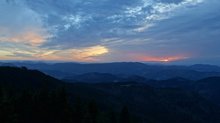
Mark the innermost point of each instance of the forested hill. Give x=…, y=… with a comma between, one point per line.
x=24, y=78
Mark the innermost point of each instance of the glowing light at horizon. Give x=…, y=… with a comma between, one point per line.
x=159, y=58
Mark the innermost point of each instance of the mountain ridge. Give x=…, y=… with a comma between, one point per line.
x=157, y=72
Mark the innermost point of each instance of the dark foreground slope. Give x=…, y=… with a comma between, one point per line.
x=24, y=78
x=209, y=87
x=31, y=96
x=167, y=105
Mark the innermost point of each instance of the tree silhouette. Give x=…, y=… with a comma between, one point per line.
x=125, y=116
x=93, y=111
x=112, y=117
x=78, y=114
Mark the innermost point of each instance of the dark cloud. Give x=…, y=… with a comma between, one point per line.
x=195, y=30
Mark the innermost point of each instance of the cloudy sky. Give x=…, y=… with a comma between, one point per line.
x=177, y=31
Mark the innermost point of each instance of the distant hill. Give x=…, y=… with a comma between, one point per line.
x=205, y=68
x=103, y=78
x=156, y=72
x=93, y=78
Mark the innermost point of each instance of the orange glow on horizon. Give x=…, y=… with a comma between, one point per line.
x=159, y=59
x=165, y=60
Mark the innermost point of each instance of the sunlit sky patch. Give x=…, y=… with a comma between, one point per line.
x=183, y=31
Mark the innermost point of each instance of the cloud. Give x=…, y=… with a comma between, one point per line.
x=24, y=52
x=163, y=10
x=193, y=30
x=33, y=37
x=78, y=21
x=20, y=24
x=75, y=21
x=86, y=54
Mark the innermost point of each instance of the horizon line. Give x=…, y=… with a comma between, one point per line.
x=143, y=62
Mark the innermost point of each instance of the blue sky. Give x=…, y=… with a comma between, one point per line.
x=177, y=31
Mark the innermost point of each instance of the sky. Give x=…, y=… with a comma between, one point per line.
x=164, y=31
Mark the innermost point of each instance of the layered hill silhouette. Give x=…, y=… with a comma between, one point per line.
x=145, y=103
x=157, y=72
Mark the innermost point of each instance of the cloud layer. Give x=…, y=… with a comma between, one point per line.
x=111, y=30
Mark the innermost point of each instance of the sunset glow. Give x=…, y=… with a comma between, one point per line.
x=160, y=59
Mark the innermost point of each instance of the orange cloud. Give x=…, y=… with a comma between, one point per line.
x=28, y=37
x=87, y=54
x=4, y=54
x=31, y=36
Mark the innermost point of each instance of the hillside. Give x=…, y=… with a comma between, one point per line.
x=167, y=105
x=209, y=88
x=24, y=78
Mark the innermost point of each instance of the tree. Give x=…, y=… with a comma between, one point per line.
x=93, y=111
x=78, y=115
x=112, y=117
x=125, y=116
